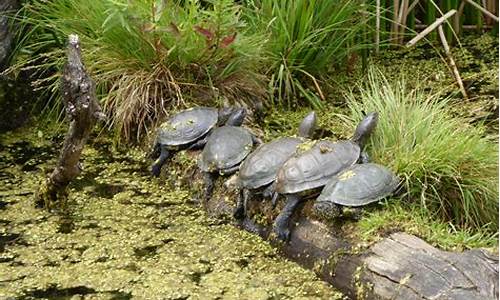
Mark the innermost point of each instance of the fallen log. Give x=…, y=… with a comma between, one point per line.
x=400, y=266
x=83, y=110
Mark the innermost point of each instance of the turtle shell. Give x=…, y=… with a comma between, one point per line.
x=314, y=167
x=360, y=185
x=187, y=126
x=226, y=147
x=261, y=166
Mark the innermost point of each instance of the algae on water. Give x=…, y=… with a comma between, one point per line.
x=129, y=236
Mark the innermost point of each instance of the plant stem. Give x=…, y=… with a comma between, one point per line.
x=451, y=61
x=430, y=15
x=431, y=27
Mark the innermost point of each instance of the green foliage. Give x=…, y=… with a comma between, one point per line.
x=448, y=166
x=414, y=219
x=307, y=38
x=146, y=55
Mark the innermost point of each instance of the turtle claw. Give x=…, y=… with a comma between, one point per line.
x=282, y=234
x=274, y=200
x=239, y=213
x=357, y=214
x=155, y=170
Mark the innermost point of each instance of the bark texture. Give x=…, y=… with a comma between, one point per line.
x=401, y=266
x=83, y=110
x=6, y=7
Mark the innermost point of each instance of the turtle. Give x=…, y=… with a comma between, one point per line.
x=226, y=148
x=188, y=129
x=304, y=174
x=356, y=186
x=258, y=170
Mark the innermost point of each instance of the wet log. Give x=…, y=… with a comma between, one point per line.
x=6, y=36
x=400, y=266
x=83, y=110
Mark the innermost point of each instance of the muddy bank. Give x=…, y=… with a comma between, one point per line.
x=127, y=236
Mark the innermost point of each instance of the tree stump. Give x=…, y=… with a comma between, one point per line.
x=83, y=110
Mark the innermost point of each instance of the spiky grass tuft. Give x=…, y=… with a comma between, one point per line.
x=448, y=166
x=307, y=38
x=146, y=56
x=413, y=219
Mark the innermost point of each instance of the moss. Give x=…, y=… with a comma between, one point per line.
x=138, y=236
x=363, y=289
x=425, y=67
x=391, y=216
x=330, y=264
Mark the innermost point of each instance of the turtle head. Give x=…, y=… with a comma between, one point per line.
x=237, y=116
x=326, y=210
x=224, y=114
x=308, y=125
x=365, y=128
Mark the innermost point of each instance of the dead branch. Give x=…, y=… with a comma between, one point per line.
x=83, y=110
x=451, y=61
x=430, y=28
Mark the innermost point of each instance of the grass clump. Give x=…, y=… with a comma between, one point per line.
x=306, y=39
x=146, y=56
x=450, y=168
x=416, y=220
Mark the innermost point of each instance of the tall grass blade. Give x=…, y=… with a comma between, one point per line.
x=448, y=166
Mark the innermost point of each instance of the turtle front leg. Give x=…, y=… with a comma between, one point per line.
x=209, y=179
x=274, y=199
x=155, y=153
x=268, y=191
x=357, y=213
x=198, y=144
x=164, y=156
x=364, y=158
x=256, y=141
x=281, y=224
x=241, y=205
x=230, y=171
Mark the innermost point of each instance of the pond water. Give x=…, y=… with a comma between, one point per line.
x=126, y=235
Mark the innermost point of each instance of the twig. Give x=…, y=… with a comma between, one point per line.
x=394, y=25
x=412, y=5
x=467, y=27
x=402, y=20
x=451, y=61
x=483, y=10
x=430, y=28
x=456, y=23
x=377, y=28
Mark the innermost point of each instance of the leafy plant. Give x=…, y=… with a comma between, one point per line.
x=306, y=39
x=448, y=166
x=146, y=56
